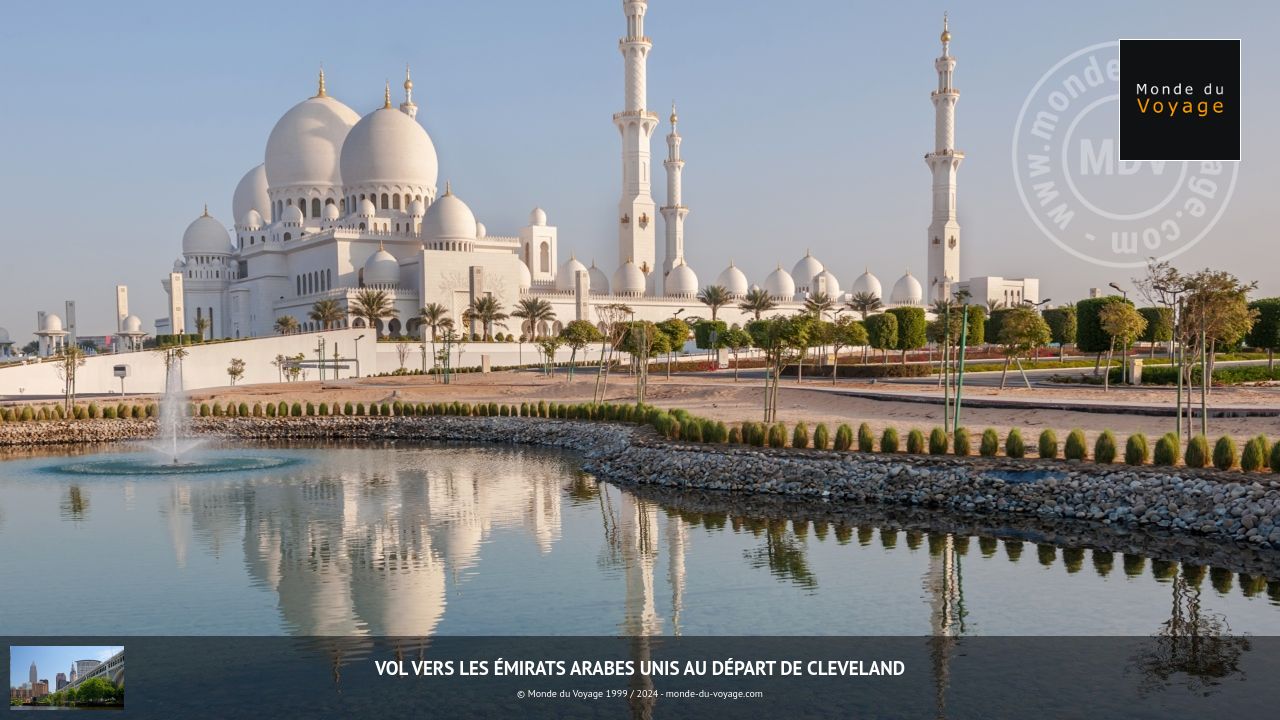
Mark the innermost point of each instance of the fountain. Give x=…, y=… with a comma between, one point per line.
x=172, y=439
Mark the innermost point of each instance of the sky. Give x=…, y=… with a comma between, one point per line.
x=804, y=126
x=51, y=660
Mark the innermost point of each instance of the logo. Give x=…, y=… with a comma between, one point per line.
x=1072, y=182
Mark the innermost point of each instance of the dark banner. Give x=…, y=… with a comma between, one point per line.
x=664, y=677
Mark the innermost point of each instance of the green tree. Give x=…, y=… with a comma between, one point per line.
x=374, y=306
x=286, y=325
x=432, y=316
x=577, y=335
x=818, y=305
x=1090, y=337
x=845, y=332
x=677, y=332
x=202, y=327
x=326, y=313
x=1122, y=323
x=736, y=340
x=912, y=329
x=780, y=339
x=68, y=363
x=235, y=370
x=487, y=311
x=714, y=297
x=882, y=332
x=1062, y=326
x=1022, y=332
x=1159, y=326
x=1265, y=333
x=757, y=302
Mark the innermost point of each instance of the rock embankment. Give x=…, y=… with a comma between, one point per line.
x=1236, y=508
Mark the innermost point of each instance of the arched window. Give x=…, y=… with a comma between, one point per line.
x=288, y=237
x=361, y=226
x=395, y=202
x=328, y=282
x=289, y=202
x=302, y=205
x=385, y=201
x=544, y=258
x=315, y=207
x=343, y=206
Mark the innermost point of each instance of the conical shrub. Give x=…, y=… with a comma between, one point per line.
x=800, y=436
x=1197, y=452
x=989, y=446
x=1075, y=448
x=889, y=441
x=821, y=437
x=1224, y=453
x=1047, y=447
x=1254, y=457
x=938, y=441
x=915, y=442
x=1136, y=450
x=866, y=439
x=1104, y=449
x=1166, y=452
x=844, y=438
x=1014, y=446
x=961, y=443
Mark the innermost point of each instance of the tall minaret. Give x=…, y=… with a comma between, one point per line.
x=636, y=221
x=674, y=212
x=944, y=161
x=407, y=107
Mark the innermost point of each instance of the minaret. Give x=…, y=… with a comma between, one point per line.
x=674, y=212
x=636, y=221
x=944, y=162
x=407, y=107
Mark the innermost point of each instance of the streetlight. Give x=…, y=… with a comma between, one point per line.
x=1175, y=306
x=1123, y=293
x=358, y=339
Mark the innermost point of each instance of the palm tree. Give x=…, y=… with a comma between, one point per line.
x=533, y=312
x=326, y=312
x=714, y=297
x=818, y=305
x=202, y=327
x=864, y=302
x=488, y=312
x=994, y=304
x=432, y=316
x=373, y=306
x=757, y=302
x=286, y=324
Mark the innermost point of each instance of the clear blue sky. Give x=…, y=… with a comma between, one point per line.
x=804, y=125
x=51, y=660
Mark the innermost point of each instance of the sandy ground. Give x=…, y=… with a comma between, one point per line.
x=812, y=401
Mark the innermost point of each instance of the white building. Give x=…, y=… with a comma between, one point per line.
x=344, y=202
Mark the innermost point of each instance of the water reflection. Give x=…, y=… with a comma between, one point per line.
x=76, y=505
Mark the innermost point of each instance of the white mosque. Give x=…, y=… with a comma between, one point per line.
x=343, y=202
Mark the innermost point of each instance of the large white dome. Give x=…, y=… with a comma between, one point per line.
x=682, y=282
x=733, y=280
x=251, y=194
x=568, y=274
x=389, y=148
x=833, y=284
x=805, y=270
x=133, y=324
x=381, y=269
x=599, y=281
x=628, y=280
x=206, y=236
x=779, y=285
x=868, y=283
x=907, y=291
x=449, y=218
x=305, y=145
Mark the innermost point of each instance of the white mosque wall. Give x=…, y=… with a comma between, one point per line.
x=204, y=367
x=504, y=354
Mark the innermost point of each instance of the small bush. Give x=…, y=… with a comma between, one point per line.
x=296, y=409
x=542, y=408
x=757, y=435
x=989, y=446
x=889, y=441
x=937, y=441
x=866, y=439
x=204, y=410
x=1166, y=452
x=1014, y=446
x=322, y=409
x=1197, y=452
x=244, y=409
x=821, y=437
x=311, y=409
x=721, y=433
x=1104, y=449
x=778, y=436
x=1254, y=457
x=915, y=442
x=271, y=409
x=231, y=410
x=1076, y=448
x=348, y=409
x=94, y=411
x=735, y=435
x=360, y=408
x=1265, y=445
x=961, y=444
x=844, y=437
x=257, y=409
x=1136, y=450
x=800, y=436
x=1224, y=453
x=693, y=432
x=282, y=409
x=1274, y=463
x=1047, y=447
x=108, y=413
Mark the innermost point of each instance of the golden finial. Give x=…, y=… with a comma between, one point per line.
x=408, y=81
x=320, y=92
x=386, y=96
x=448, y=187
x=206, y=210
x=946, y=33
x=674, y=118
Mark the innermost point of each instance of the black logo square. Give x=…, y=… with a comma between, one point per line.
x=1180, y=100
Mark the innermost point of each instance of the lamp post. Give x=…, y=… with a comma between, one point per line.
x=1176, y=360
x=1124, y=351
x=358, y=339
x=320, y=355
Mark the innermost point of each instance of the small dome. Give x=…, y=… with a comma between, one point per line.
x=733, y=280
x=251, y=220
x=568, y=274
x=481, y=230
x=4, y=335
x=133, y=324
x=179, y=264
x=538, y=217
x=682, y=282
x=868, y=283
x=387, y=147
x=305, y=144
x=449, y=218
x=206, y=236
x=628, y=280
x=833, y=285
x=417, y=208
x=52, y=324
x=599, y=281
x=251, y=194
x=526, y=277
x=780, y=285
x=367, y=208
x=292, y=215
x=805, y=270
x=331, y=212
x=907, y=291
x=381, y=269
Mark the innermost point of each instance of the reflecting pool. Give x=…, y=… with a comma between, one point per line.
x=410, y=540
